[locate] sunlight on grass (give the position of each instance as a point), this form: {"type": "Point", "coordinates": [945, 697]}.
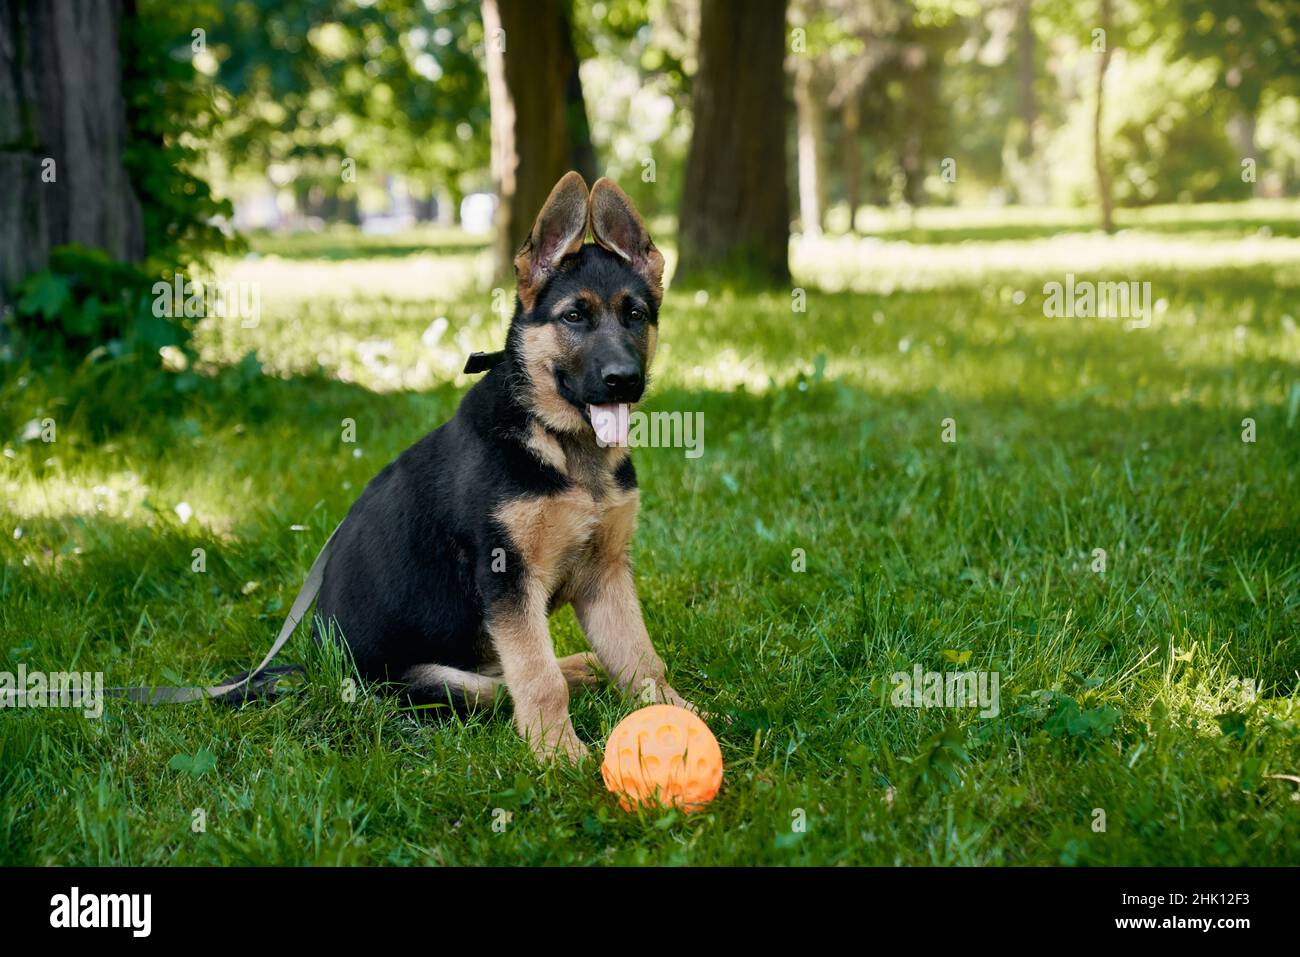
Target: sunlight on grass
{"type": "Point", "coordinates": [420, 277]}
{"type": "Point", "coordinates": [113, 495]}
{"type": "Point", "coordinates": [872, 265]}
{"type": "Point", "coordinates": [956, 218]}
{"type": "Point", "coordinates": [182, 495]}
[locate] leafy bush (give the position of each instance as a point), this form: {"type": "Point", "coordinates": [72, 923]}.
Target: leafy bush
{"type": "Point", "coordinates": [170, 107]}
{"type": "Point", "coordinates": [85, 300]}
{"type": "Point", "coordinates": [1165, 138]}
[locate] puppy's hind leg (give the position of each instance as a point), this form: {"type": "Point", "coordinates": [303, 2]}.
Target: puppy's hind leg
{"type": "Point", "coordinates": [580, 670]}
{"type": "Point", "coordinates": [463, 689]}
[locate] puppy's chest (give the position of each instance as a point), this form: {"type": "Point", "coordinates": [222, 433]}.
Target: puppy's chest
{"type": "Point", "coordinates": [563, 539]}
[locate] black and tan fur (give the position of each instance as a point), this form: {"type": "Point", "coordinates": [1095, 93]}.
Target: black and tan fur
{"type": "Point", "coordinates": [443, 575]}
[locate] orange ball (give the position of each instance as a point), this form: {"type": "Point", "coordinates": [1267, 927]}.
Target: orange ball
{"type": "Point", "coordinates": [662, 755]}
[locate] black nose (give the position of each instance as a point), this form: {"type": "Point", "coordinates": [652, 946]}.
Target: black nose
{"type": "Point", "coordinates": [621, 377]}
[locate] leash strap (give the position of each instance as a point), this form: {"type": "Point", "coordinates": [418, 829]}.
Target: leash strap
{"type": "Point", "coordinates": [250, 682]}
{"type": "Point", "coordinates": [306, 595]}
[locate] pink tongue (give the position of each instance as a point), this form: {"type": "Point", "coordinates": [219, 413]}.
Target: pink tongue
{"type": "Point", "coordinates": [610, 423]}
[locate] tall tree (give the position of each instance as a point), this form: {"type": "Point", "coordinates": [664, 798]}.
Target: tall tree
{"type": "Point", "coordinates": [1027, 70]}
{"type": "Point", "coordinates": [63, 132]}
{"type": "Point", "coordinates": [897, 79]}
{"type": "Point", "coordinates": [810, 126]}
{"type": "Point", "coordinates": [1104, 195]}
{"type": "Point", "coordinates": [851, 152]}
{"type": "Point", "coordinates": [857, 37]}
{"type": "Point", "coordinates": [830, 62]}
{"type": "Point", "coordinates": [582, 153]}
{"type": "Point", "coordinates": [539, 118]}
{"type": "Point", "coordinates": [735, 201]}
{"type": "Point", "coordinates": [1026, 73]}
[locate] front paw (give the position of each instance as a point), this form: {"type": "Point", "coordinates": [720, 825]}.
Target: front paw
{"type": "Point", "coordinates": [668, 696]}
{"type": "Point", "coordinates": [672, 697]}
{"type": "Point", "coordinates": [660, 692]}
{"type": "Point", "coordinates": [562, 745]}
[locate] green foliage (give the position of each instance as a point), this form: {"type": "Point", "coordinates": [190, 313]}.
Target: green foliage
{"type": "Point", "coordinates": [1170, 143]}
{"type": "Point", "coordinates": [637, 91]}
{"type": "Point", "coordinates": [1165, 139]}
{"type": "Point", "coordinates": [171, 113]}
{"type": "Point", "coordinates": [196, 764]}
{"type": "Point", "coordinates": [393, 85]}
{"type": "Point", "coordinates": [907, 121]}
{"type": "Point", "coordinates": [1070, 720]}
{"type": "Point", "coordinates": [1255, 44]}
{"type": "Point", "coordinates": [941, 761]}
{"type": "Point", "coordinates": [85, 300]}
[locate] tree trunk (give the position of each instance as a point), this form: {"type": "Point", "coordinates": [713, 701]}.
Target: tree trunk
{"type": "Point", "coordinates": [1032, 188]}
{"type": "Point", "coordinates": [1242, 128]}
{"type": "Point", "coordinates": [852, 119]}
{"type": "Point", "coordinates": [582, 155]}
{"type": "Point", "coordinates": [913, 174]}
{"type": "Point", "coordinates": [1098, 153]}
{"type": "Point", "coordinates": [921, 93]}
{"type": "Point", "coordinates": [61, 101]}
{"type": "Point", "coordinates": [811, 131]}
{"type": "Point", "coordinates": [735, 201]}
{"type": "Point", "coordinates": [537, 132]}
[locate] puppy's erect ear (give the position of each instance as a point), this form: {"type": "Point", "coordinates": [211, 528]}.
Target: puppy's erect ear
{"type": "Point", "coordinates": [558, 231]}
{"type": "Point", "coordinates": [617, 226]}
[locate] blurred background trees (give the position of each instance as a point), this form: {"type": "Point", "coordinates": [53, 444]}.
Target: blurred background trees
{"type": "Point", "coordinates": [734, 209]}
{"type": "Point", "coordinates": [876, 95]}
{"type": "Point", "coordinates": [539, 115]}
{"type": "Point", "coordinates": [733, 125]}
{"type": "Point", "coordinates": [338, 106]}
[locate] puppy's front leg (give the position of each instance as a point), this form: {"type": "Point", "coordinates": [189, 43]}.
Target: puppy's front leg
{"type": "Point", "coordinates": [534, 678]}
{"type": "Point", "coordinates": [610, 615]}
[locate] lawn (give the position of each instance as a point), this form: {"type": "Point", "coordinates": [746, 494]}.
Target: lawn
{"type": "Point", "coordinates": [827, 538]}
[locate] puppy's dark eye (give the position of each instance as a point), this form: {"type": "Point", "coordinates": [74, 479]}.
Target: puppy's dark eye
{"type": "Point", "coordinates": [637, 315]}
{"type": "Point", "coordinates": [573, 317]}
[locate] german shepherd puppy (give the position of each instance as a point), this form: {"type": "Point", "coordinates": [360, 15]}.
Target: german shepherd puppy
{"type": "Point", "coordinates": [443, 575]}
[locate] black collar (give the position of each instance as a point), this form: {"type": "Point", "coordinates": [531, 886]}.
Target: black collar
{"type": "Point", "coordinates": [482, 361]}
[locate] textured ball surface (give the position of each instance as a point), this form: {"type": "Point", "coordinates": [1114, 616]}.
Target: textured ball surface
{"type": "Point", "coordinates": [662, 755]}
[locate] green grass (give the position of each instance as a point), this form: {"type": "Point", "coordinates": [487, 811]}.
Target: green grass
{"type": "Point", "coordinates": [1120, 691]}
